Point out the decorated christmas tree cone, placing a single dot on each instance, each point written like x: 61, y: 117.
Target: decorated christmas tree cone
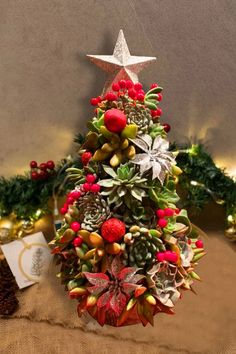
x: 126, y: 251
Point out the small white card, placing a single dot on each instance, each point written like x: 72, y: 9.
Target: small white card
x: 28, y: 258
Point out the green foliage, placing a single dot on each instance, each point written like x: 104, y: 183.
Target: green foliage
x: 202, y: 181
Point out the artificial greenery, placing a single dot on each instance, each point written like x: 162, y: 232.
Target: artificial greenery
x: 200, y: 182
x: 203, y: 181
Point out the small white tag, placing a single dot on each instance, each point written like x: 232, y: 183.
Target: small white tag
x: 28, y: 258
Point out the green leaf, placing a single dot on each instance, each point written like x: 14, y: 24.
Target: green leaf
x: 106, y: 183
x: 109, y: 170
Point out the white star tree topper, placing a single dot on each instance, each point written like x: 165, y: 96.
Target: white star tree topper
x: 120, y: 65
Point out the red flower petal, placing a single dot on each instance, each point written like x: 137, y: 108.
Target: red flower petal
x: 99, y: 279
x: 118, y: 302
x: 103, y: 299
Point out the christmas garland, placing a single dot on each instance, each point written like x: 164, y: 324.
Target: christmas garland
x: 202, y: 181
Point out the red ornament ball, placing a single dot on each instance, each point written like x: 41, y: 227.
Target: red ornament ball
x: 50, y: 165
x: 115, y: 120
x: 85, y: 157
x: 75, y: 226
x: 43, y: 166
x: 167, y: 127
x: 33, y: 164
x: 43, y: 175
x: 162, y: 223
x: 113, y: 230
x: 34, y: 175
x: 199, y: 244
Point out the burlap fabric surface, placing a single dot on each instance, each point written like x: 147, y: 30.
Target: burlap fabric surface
x: 47, y: 321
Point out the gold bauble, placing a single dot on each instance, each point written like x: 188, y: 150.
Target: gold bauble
x: 11, y: 228
x: 231, y: 233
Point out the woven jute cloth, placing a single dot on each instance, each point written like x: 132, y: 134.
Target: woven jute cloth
x: 47, y: 321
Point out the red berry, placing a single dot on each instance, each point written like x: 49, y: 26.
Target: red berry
x: 90, y: 178
x: 43, y: 174
x: 50, y: 165
x: 189, y: 241
x: 132, y: 93
x: 129, y: 84
x: 171, y: 256
x: 75, y: 226
x: 199, y: 244
x: 110, y: 96
x: 160, y: 213
x: 33, y: 164
x: 141, y: 91
x: 85, y: 157
x: 70, y: 200
x: 160, y: 256
x: 63, y: 210
x: 138, y: 86
x: 177, y: 211
x: 122, y: 84
x: 154, y: 113
x: 159, y: 97
x: 87, y: 187
x: 43, y: 166
x: 99, y: 98
x: 140, y: 97
x: 77, y: 241
x: 34, y: 175
x: 95, y: 188
x: 113, y: 230
x: 153, y: 86
x: 116, y: 87
x: 75, y: 194
x: 167, y: 127
x: 168, y: 212
x: 162, y: 223
x: 94, y: 101
x: 159, y: 112
x: 115, y: 120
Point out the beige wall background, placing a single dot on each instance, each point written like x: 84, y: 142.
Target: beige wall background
x: 46, y: 80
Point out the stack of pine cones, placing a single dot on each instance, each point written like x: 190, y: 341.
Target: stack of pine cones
x: 8, y: 288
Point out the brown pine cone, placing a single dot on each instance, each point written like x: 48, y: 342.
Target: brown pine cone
x: 8, y: 288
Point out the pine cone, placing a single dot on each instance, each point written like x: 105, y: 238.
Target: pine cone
x: 141, y: 246
x: 140, y: 116
x: 8, y: 287
x: 93, y: 211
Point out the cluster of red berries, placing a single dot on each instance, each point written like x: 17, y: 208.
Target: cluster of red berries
x: 164, y: 214
x: 42, y: 171
x: 134, y: 91
x: 168, y: 256
x: 88, y: 186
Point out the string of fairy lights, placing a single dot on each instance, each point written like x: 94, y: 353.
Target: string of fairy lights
x: 24, y: 201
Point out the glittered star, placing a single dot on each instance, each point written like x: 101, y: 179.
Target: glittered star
x: 120, y: 65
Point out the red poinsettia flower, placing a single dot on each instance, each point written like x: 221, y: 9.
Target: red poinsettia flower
x: 114, y: 290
